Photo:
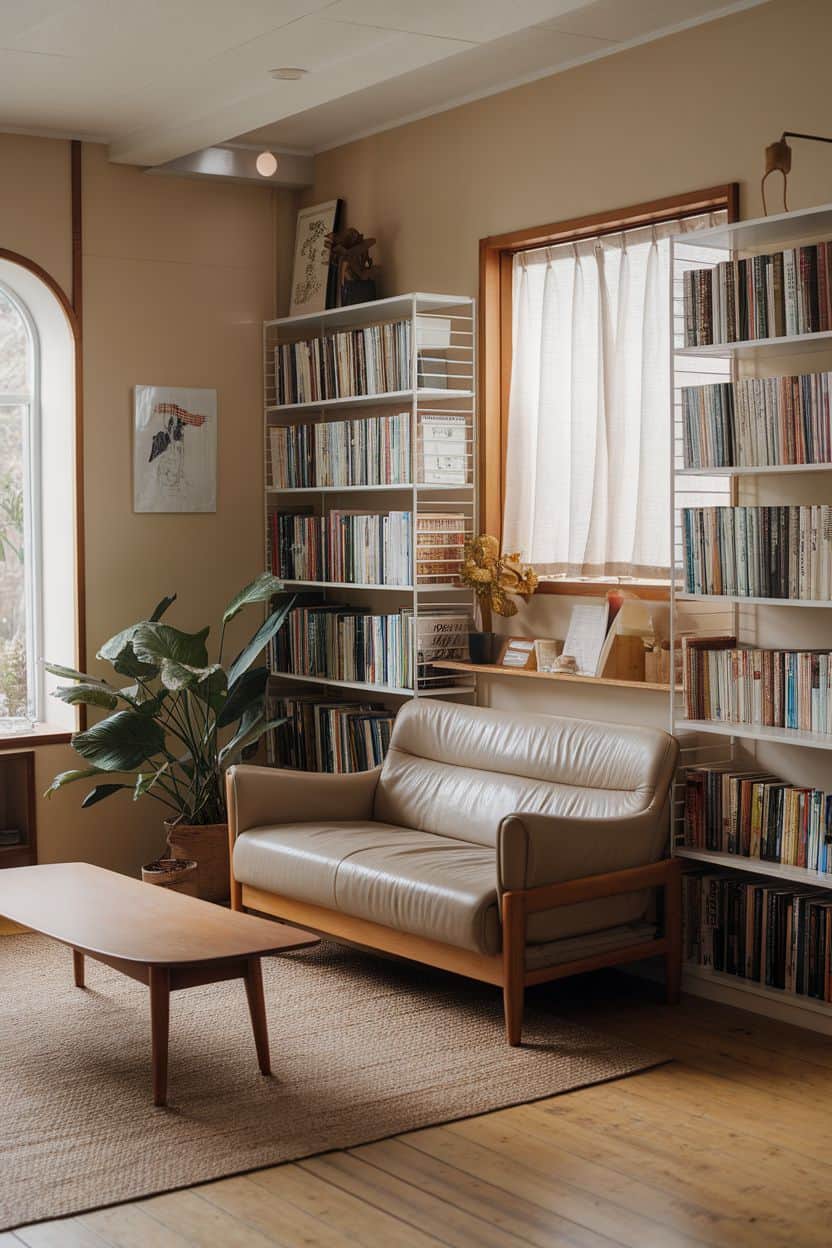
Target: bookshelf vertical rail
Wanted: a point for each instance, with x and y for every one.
(339, 408)
(750, 480)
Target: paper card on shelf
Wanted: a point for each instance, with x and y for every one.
(585, 638)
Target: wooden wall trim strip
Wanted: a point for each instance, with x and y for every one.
(76, 189)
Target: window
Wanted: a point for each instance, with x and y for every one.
(19, 530)
(576, 345)
(39, 523)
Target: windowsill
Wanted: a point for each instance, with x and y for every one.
(653, 591)
(41, 734)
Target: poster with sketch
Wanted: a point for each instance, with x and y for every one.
(313, 276)
(174, 449)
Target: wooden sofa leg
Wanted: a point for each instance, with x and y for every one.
(514, 965)
(673, 933)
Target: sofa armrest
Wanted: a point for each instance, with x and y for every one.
(259, 796)
(534, 850)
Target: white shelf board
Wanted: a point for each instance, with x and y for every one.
(789, 1007)
(396, 307)
(756, 470)
(783, 228)
(391, 589)
(756, 732)
(423, 394)
(421, 488)
(371, 687)
(741, 600)
(792, 344)
(756, 866)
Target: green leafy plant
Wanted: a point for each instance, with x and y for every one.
(11, 520)
(182, 720)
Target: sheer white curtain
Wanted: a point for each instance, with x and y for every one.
(587, 468)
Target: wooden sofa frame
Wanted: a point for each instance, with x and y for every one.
(507, 970)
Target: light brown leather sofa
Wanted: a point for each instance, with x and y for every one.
(512, 848)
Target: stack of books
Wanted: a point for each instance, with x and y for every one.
(440, 547)
(758, 421)
(342, 643)
(761, 687)
(348, 364)
(350, 547)
(443, 448)
(322, 735)
(374, 450)
(759, 552)
(756, 815)
(770, 296)
(779, 937)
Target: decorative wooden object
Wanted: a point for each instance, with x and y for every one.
(517, 652)
(626, 661)
(161, 938)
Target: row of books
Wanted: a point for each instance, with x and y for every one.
(368, 548)
(757, 815)
(759, 552)
(779, 937)
(323, 735)
(768, 296)
(341, 643)
(766, 688)
(352, 362)
(373, 450)
(370, 451)
(758, 421)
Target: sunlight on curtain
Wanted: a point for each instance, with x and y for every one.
(587, 468)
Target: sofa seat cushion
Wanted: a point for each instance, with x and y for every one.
(415, 882)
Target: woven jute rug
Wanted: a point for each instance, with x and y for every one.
(362, 1048)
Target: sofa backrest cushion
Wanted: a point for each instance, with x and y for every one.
(458, 770)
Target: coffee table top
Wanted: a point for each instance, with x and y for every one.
(102, 912)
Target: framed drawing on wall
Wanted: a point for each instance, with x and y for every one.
(174, 449)
(314, 278)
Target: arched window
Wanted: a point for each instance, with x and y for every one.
(20, 616)
(38, 556)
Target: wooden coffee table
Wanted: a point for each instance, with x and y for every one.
(163, 939)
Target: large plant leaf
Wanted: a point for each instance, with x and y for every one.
(119, 651)
(203, 681)
(153, 643)
(70, 673)
(247, 691)
(122, 742)
(69, 777)
(260, 640)
(261, 589)
(252, 726)
(89, 695)
(100, 792)
(161, 607)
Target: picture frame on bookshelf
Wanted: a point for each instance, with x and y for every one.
(314, 277)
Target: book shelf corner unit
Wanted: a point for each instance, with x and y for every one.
(748, 481)
(332, 386)
(18, 836)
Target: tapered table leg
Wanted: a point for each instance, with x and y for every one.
(257, 1010)
(78, 967)
(159, 979)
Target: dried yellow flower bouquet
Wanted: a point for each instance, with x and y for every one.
(495, 578)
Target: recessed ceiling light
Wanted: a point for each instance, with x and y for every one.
(266, 164)
(288, 73)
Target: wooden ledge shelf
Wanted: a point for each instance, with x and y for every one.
(494, 669)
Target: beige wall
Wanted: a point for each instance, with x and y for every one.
(179, 275)
(686, 112)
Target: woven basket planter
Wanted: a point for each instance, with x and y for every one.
(208, 846)
(180, 875)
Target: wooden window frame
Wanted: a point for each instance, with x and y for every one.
(495, 341)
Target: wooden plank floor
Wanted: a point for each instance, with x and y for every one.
(729, 1145)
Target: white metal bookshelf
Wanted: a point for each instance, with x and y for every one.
(714, 742)
(442, 382)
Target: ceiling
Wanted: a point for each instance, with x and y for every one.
(158, 79)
